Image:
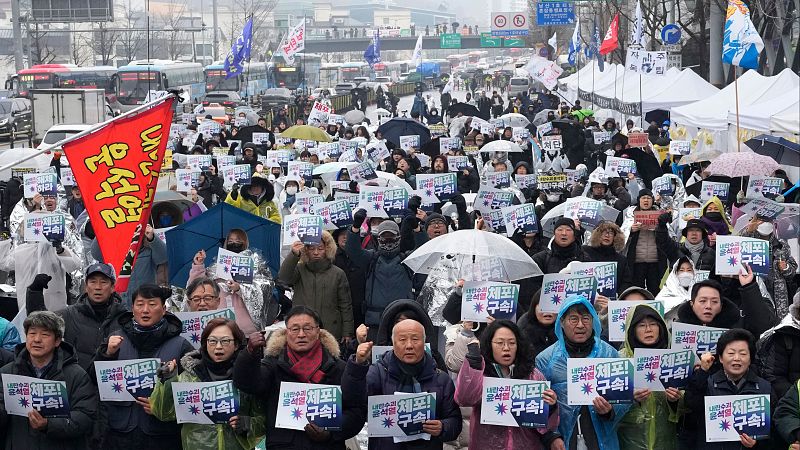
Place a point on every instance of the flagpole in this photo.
(47, 148)
(641, 103)
(593, 64)
(736, 89)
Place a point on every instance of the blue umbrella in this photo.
(782, 150)
(208, 232)
(401, 126)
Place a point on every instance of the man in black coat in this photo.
(696, 246)
(564, 249)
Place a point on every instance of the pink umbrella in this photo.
(743, 164)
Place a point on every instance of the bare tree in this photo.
(103, 43)
(131, 42)
(40, 50)
(173, 41)
(78, 53)
(263, 34)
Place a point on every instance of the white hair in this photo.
(424, 338)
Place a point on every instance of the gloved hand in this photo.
(40, 282)
(235, 191)
(243, 424)
(359, 217)
(316, 433)
(473, 355)
(167, 370)
(665, 218)
(460, 203)
(58, 246)
(414, 203)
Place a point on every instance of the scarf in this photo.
(409, 374)
(694, 250)
(576, 350)
(218, 371)
(305, 367)
(142, 329)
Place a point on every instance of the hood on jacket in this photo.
(410, 309)
(277, 343)
(570, 302)
(266, 196)
(523, 164)
(728, 317)
(330, 248)
(444, 161)
(637, 314)
(715, 200)
(597, 234)
(645, 293)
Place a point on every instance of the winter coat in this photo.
(703, 384)
(777, 280)
(261, 378)
(33, 258)
(9, 336)
(85, 331)
(555, 258)
(787, 415)
(63, 433)
(675, 250)
(781, 364)
(594, 252)
(263, 206)
(468, 183)
(411, 309)
(384, 378)
(469, 392)
(652, 424)
(753, 314)
(722, 227)
(321, 286)
(152, 254)
(540, 336)
(356, 280)
(207, 437)
(552, 362)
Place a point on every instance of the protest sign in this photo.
(335, 119)
(544, 128)
(263, 138)
(663, 186)
(302, 403)
(648, 219)
(520, 218)
(714, 189)
(442, 185)
(659, 369)
(587, 210)
(700, 339)
(224, 161)
(298, 170)
(399, 415)
(601, 136)
(319, 113)
(487, 128)
(186, 179)
(235, 267)
(525, 181)
(205, 403)
(377, 151)
(552, 143)
(640, 140)
(352, 198)
(557, 287)
(514, 403)
(618, 315)
(409, 141)
(457, 163)
(481, 299)
(552, 182)
(238, 174)
(619, 167)
(44, 227)
(67, 179)
(437, 130)
(498, 180)
(208, 128)
(681, 148)
(331, 149)
(23, 394)
(765, 208)
(449, 143)
(41, 183)
(604, 272)
(195, 322)
(362, 172)
(520, 134)
(335, 214)
(383, 202)
(125, 380)
(701, 275)
(302, 227)
(727, 417)
(490, 198)
(198, 162)
(610, 378)
(687, 214)
(495, 220)
(764, 187)
(305, 200)
(278, 158)
(733, 252)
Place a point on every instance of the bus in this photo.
(329, 74)
(304, 74)
(456, 61)
(254, 81)
(475, 56)
(351, 70)
(138, 78)
(40, 76)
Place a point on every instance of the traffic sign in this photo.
(514, 42)
(555, 13)
(509, 24)
(674, 60)
(450, 40)
(673, 48)
(490, 42)
(670, 34)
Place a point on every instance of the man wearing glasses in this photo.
(202, 295)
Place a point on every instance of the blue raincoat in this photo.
(552, 362)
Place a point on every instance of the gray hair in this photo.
(48, 320)
(202, 281)
(424, 337)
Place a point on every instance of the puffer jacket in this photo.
(207, 437)
(62, 433)
(651, 424)
(781, 364)
(552, 362)
(322, 286)
(263, 206)
(675, 250)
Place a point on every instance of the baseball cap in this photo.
(103, 268)
(387, 226)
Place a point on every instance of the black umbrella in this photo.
(245, 134)
(463, 108)
(401, 126)
(782, 150)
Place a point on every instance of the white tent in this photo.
(787, 120)
(687, 87)
(757, 116)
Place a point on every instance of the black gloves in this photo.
(359, 217)
(474, 357)
(460, 203)
(57, 245)
(243, 425)
(235, 192)
(414, 203)
(40, 282)
(164, 373)
(665, 218)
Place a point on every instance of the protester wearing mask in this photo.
(538, 327)
(648, 261)
(678, 287)
(715, 219)
(695, 246)
(287, 196)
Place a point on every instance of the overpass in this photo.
(316, 44)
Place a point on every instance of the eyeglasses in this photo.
(502, 344)
(306, 329)
(609, 233)
(203, 299)
(213, 342)
(573, 320)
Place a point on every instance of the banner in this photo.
(657, 369)
(300, 404)
(525, 181)
(557, 287)
(646, 63)
(520, 218)
(498, 180)
(44, 227)
(604, 272)
(520, 134)
(618, 315)
(729, 416)
(481, 299)
(117, 169)
(377, 151)
(733, 252)
(23, 394)
(619, 167)
(490, 198)
(294, 42)
(610, 378)
(763, 187)
(400, 415)
(714, 189)
(240, 51)
(235, 267)
(40, 183)
(195, 322)
(699, 339)
(741, 43)
(335, 214)
(544, 71)
(126, 380)
(383, 202)
(648, 219)
(442, 185)
(302, 227)
(514, 403)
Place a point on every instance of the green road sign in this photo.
(488, 41)
(405, 32)
(514, 42)
(450, 40)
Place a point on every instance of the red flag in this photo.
(116, 168)
(610, 42)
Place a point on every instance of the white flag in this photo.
(637, 34)
(294, 42)
(553, 42)
(416, 58)
(449, 86)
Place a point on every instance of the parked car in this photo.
(343, 88)
(15, 117)
(228, 99)
(60, 132)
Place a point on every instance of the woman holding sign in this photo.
(503, 352)
(220, 343)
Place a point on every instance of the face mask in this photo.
(715, 216)
(291, 190)
(235, 247)
(610, 152)
(388, 244)
(685, 279)
(165, 221)
(552, 198)
(765, 229)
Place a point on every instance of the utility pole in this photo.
(19, 61)
(715, 76)
(214, 24)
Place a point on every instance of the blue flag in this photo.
(575, 44)
(741, 43)
(240, 51)
(596, 47)
(373, 52)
